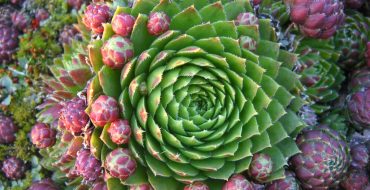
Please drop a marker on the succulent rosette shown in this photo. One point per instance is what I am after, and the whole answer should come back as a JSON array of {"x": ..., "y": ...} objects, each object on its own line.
[
  {"x": 360, "y": 79},
  {"x": 356, "y": 179},
  {"x": 319, "y": 72},
  {"x": 69, "y": 34},
  {"x": 8, "y": 42},
  {"x": 358, "y": 105},
  {"x": 317, "y": 18},
  {"x": 358, "y": 101},
  {"x": 64, "y": 109},
  {"x": 45, "y": 184},
  {"x": 70, "y": 76},
  {"x": 87, "y": 165},
  {"x": 120, "y": 131},
  {"x": 20, "y": 20},
  {"x": 123, "y": 24},
  {"x": 73, "y": 117},
  {"x": 324, "y": 158},
  {"x": 290, "y": 182},
  {"x": 336, "y": 119},
  {"x": 13, "y": 168},
  {"x": 8, "y": 130},
  {"x": 351, "y": 40},
  {"x": 360, "y": 156},
  {"x": 61, "y": 159},
  {"x": 277, "y": 9},
  {"x": 198, "y": 103},
  {"x": 42, "y": 136},
  {"x": 120, "y": 163},
  {"x": 5, "y": 13},
  {"x": 260, "y": 167},
  {"x": 94, "y": 17},
  {"x": 237, "y": 182}
]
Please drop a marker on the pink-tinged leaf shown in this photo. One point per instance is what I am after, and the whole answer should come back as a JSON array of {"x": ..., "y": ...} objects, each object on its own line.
[
  {"x": 80, "y": 76},
  {"x": 82, "y": 59},
  {"x": 96, "y": 59},
  {"x": 71, "y": 153},
  {"x": 64, "y": 94},
  {"x": 67, "y": 81},
  {"x": 51, "y": 113},
  {"x": 76, "y": 145},
  {"x": 45, "y": 104},
  {"x": 54, "y": 84}
]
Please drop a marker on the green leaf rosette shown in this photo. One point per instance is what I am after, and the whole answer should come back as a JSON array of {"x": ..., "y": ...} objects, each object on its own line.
[
  {"x": 199, "y": 104},
  {"x": 320, "y": 74}
]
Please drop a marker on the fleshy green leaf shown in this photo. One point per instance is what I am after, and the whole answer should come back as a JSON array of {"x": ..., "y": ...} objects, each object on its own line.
[
  {"x": 110, "y": 81},
  {"x": 140, "y": 36},
  {"x": 197, "y": 3},
  {"x": 159, "y": 168},
  {"x": 95, "y": 143},
  {"x": 288, "y": 147},
  {"x": 106, "y": 138},
  {"x": 226, "y": 29},
  {"x": 211, "y": 164},
  {"x": 202, "y": 31},
  {"x": 115, "y": 183},
  {"x": 186, "y": 19},
  {"x": 142, "y": 7},
  {"x": 182, "y": 170},
  {"x": 167, "y": 7},
  {"x": 95, "y": 56},
  {"x": 233, "y": 9},
  {"x": 108, "y": 31},
  {"x": 213, "y": 12},
  {"x": 224, "y": 173},
  {"x": 138, "y": 177},
  {"x": 163, "y": 183}
]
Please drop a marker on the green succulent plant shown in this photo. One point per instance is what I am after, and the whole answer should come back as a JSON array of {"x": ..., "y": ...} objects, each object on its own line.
[
  {"x": 7, "y": 88},
  {"x": 40, "y": 45},
  {"x": 199, "y": 104},
  {"x": 70, "y": 75},
  {"x": 22, "y": 111},
  {"x": 336, "y": 119},
  {"x": 319, "y": 72},
  {"x": 351, "y": 40},
  {"x": 277, "y": 9}
]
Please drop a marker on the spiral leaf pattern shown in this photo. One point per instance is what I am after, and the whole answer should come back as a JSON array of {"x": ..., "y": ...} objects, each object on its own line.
[{"x": 199, "y": 104}]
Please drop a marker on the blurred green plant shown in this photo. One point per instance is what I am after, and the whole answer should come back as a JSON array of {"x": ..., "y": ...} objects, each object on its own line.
[{"x": 40, "y": 46}]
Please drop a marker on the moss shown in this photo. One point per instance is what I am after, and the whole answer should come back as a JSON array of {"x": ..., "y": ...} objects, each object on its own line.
[
  {"x": 21, "y": 148},
  {"x": 22, "y": 109},
  {"x": 24, "y": 184},
  {"x": 4, "y": 151},
  {"x": 41, "y": 46}
]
